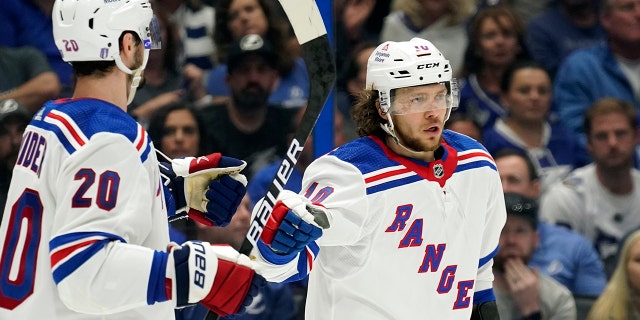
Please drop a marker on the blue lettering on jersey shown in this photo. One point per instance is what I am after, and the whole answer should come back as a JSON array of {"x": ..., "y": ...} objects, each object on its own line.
[
  {"x": 403, "y": 213},
  {"x": 446, "y": 279},
  {"x": 413, "y": 237},
  {"x": 462, "y": 298},
  {"x": 32, "y": 151},
  {"x": 432, "y": 257}
]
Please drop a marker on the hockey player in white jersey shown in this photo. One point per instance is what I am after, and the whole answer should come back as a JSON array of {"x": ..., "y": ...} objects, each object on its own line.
[
  {"x": 414, "y": 211},
  {"x": 85, "y": 233}
]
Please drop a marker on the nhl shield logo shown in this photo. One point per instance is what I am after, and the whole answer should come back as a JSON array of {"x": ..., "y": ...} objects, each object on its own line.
[{"x": 438, "y": 170}]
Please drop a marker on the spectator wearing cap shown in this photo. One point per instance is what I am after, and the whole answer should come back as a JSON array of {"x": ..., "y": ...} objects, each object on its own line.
[
  {"x": 247, "y": 126},
  {"x": 238, "y": 18},
  {"x": 27, "y": 77},
  {"x": 523, "y": 292},
  {"x": 13, "y": 120},
  {"x": 565, "y": 255}
]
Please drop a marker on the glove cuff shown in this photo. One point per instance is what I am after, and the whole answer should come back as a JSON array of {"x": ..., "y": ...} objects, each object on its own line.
[
  {"x": 235, "y": 276},
  {"x": 192, "y": 268},
  {"x": 200, "y": 217},
  {"x": 186, "y": 166},
  {"x": 273, "y": 257}
]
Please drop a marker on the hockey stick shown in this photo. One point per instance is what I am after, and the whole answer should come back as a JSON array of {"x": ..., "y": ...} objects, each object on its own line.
[
  {"x": 316, "y": 50},
  {"x": 308, "y": 26}
]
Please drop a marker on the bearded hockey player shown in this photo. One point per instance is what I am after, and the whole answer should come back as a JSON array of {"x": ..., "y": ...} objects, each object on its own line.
[{"x": 412, "y": 212}]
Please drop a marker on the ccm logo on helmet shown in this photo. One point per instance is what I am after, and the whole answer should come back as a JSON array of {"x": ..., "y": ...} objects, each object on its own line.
[{"x": 428, "y": 65}]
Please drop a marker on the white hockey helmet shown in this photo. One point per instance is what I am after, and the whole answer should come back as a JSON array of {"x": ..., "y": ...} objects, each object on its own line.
[
  {"x": 394, "y": 65},
  {"x": 89, "y": 30}
]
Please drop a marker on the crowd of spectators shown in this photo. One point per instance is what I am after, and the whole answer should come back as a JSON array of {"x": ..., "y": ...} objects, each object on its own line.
[{"x": 556, "y": 83}]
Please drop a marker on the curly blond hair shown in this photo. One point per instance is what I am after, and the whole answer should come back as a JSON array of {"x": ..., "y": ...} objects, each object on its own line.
[{"x": 364, "y": 113}]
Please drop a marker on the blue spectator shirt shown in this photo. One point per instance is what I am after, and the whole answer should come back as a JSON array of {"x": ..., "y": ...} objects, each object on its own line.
[{"x": 570, "y": 259}]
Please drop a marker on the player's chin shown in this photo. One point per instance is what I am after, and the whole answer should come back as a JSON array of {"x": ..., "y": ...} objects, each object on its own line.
[{"x": 431, "y": 144}]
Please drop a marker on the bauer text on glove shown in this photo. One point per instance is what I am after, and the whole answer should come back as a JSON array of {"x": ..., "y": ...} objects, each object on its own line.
[{"x": 217, "y": 276}]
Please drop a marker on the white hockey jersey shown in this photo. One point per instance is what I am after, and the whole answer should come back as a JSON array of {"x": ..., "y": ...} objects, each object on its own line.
[
  {"x": 85, "y": 213},
  {"x": 408, "y": 239},
  {"x": 581, "y": 203}
]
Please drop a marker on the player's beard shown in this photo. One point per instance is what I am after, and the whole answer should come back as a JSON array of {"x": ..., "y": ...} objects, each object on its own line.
[{"x": 416, "y": 144}]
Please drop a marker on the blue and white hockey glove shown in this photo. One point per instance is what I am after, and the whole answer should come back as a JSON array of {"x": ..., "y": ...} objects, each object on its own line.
[
  {"x": 217, "y": 276},
  {"x": 208, "y": 188},
  {"x": 294, "y": 223}
]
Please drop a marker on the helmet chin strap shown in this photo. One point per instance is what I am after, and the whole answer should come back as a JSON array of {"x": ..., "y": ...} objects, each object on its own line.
[
  {"x": 135, "y": 75},
  {"x": 389, "y": 129}
]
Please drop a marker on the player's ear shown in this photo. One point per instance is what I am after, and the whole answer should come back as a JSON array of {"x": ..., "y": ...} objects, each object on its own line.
[
  {"x": 128, "y": 48},
  {"x": 381, "y": 113}
]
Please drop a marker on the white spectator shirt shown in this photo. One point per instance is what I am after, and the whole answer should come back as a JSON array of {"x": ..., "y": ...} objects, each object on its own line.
[{"x": 581, "y": 203}]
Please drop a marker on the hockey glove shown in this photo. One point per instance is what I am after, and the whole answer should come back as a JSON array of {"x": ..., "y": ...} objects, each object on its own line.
[
  {"x": 293, "y": 224},
  {"x": 218, "y": 277},
  {"x": 208, "y": 188}
]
